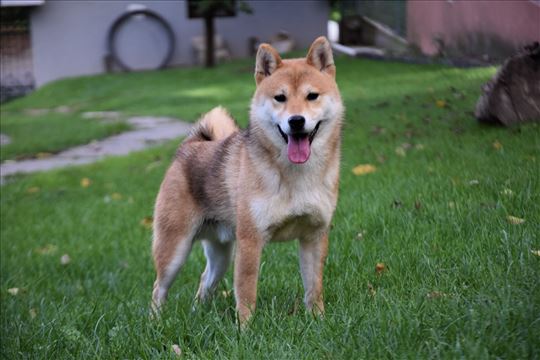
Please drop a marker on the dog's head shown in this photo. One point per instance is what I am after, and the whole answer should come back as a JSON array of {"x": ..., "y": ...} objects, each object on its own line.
[{"x": 297, "y": 104}]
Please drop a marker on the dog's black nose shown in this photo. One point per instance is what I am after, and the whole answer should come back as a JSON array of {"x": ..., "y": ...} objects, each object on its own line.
[{"x": 296, "y": 123}]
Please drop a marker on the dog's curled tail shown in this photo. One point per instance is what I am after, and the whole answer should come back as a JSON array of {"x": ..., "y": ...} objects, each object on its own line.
[{"x": 216, "y": 124}]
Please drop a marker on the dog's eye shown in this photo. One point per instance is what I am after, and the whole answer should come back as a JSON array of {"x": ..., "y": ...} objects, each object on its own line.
[
  {"x": 280, "y": 98},
  {"x": 312, "y": 96}
]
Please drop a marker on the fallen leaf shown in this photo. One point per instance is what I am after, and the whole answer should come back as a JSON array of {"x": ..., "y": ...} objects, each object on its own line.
[
  {"x": 507, "y": 192},
  {"x": 380, "y": 268},
  {"x": 85, "y": 182},
  {"x": 116, "y": 196},
  {"x": 515, "y": 220},
  {"x": 406, "y": 146},
  {"x": 536, "y": 252},
  {"x": 33, "y": 313},
  {"x": 400, "y": 151},
  {"x": 65, "y": 259},
  {"x": 176, "y": 349},
  {"x": 147, "y": 222},
  {"x": 32, "y": 190},
  {"x": 363, "y": 169},
  {"x": 43, "y": 155},
  {"x": 474, "y": 182},
  {"x": 13, "y": 291},
  {"x": 371, "y": 289},
  {"x": 436, "y": 295},
  {"x": 440, "y": 103},
  {"x": 497, "y": 145},
  {"x": 47, "y": 249}
]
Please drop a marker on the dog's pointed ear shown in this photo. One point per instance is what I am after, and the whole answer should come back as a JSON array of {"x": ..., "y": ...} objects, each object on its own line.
[
  {"x": 320, "y": 56},
  {"x": 268, "y": 60}
]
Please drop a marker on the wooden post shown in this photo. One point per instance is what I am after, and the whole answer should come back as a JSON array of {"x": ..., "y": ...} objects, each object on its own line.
[{"x": 209, "y": 25}]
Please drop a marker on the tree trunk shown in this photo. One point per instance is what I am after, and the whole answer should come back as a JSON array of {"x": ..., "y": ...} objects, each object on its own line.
[{"x": 209, "y": 25}]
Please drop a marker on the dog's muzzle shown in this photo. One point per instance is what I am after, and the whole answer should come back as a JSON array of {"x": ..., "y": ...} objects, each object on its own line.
[{"x": 311, "y": 135}]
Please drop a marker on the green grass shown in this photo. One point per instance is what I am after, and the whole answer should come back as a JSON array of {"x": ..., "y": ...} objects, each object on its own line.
[
  {"x": 460, "y": 280},
  {"x": 50, "y": 132}
]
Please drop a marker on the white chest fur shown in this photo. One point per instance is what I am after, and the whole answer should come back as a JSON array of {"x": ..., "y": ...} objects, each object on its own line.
[{"x": 289, "y": 210}]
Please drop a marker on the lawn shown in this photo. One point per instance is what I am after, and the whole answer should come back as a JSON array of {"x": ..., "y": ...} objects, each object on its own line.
[
  {"x": 452, "y": 211},
  {"x": 40, "y": 132}
]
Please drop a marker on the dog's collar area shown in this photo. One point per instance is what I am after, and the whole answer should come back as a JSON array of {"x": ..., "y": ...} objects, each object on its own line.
[{"x": 311, "y": 135}]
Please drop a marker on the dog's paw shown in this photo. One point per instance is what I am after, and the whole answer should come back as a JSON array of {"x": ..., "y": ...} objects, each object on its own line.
[
  {"x": 155, "y": 312},
  {"x": 316, "y": 310}
]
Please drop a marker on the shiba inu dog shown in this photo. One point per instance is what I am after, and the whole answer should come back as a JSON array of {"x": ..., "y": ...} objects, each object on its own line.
[{"x": 276, "y": 180}]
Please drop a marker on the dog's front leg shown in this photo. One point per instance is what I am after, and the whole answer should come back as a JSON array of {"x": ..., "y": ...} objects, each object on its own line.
[
  {"x": 249, "y": 245},
  {"x": 313, "y": 251}
]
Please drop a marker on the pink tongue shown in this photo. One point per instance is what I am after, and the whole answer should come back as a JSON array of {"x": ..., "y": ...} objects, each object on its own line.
[{"x": 298, "y": 149}]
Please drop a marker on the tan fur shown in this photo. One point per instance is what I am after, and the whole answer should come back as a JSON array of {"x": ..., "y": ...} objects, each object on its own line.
[
  {"x": 226, "y": 184},
  {"x": 217, "y": 124}
]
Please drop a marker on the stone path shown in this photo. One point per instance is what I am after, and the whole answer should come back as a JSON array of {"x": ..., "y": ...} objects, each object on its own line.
[
  {"x": 149, "y": 131},
  {"x": 4, "y": 139}
]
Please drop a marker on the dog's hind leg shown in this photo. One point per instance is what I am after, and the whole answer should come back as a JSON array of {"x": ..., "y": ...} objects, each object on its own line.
[
  {"x": 171, "y": 248},
  {"x": 218, "y": 258}
]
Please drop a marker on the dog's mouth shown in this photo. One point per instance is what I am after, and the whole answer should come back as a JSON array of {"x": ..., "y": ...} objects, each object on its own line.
[{"x": 299, "y": 144}]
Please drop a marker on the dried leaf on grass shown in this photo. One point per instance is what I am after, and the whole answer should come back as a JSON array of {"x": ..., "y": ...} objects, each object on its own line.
[
  {"x": 176, "y": 349},
  {"x": 515, "y": 220},
  {"x": 507, "y": 192},
  {"x": 65, "y": 259},
  {"x": 47, "y": 249},
  {"x": 400, "y": 151},
  {"x": 43, "y": 155},
  {"x": 535, "y": 252},
  {"x": 147, "y": 222},
  {"x": 86, "y": 182},
  {"x": 13, "y": 291},
  {"x": 441, "y": 103},
  {"x": 33, "y": 313},
  {"x": 497, "y": 145},
  {"x": 363, "y": 169},
  {"x": 380, "y": 268},
  {"x": 371, "y": 289}
]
